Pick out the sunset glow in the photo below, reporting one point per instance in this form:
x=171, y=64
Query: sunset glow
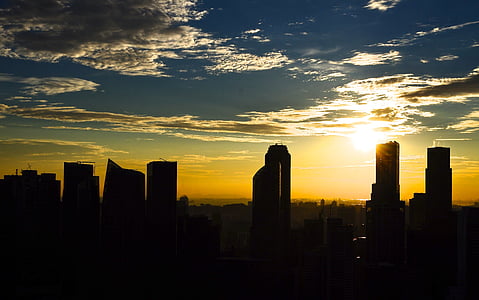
x=365, y=138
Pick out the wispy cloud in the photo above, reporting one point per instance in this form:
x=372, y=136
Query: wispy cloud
x=410, y=38
x=43, y=147
x=389, y=105
x=369, y=59
x=50, y=85
x=241, y=62
x=468, y=123
x=382, y=5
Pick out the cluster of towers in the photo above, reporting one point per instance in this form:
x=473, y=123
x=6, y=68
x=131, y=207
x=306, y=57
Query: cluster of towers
x=141, y=242
x=434, y=254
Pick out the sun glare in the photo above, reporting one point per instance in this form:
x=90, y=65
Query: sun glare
x=366, y=138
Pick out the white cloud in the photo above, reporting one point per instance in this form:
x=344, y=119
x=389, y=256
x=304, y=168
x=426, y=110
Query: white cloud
x=382, y=5
x=241, y=62
x=447, y=57
x=369, y=59
x=252, y=31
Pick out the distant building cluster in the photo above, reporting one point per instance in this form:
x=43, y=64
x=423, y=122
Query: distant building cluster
x=141, y=242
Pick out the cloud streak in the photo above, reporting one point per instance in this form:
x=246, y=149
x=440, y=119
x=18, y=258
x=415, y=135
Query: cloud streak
x=389, y=105
x=44, y=147
x=410, y=38
x=51, y=85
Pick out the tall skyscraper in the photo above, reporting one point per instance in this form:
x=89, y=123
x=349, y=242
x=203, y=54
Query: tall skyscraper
x=81, y=203
x=439, y=182
x=123, y=217
x=385, y=212
x=161, y=207
x=271, y=219
x=81, y=225
x=123, y=209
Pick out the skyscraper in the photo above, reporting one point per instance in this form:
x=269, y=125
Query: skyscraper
x=81, y=224
x=271, y=217
x=161, y=207
x=385, y=212
x=123, y=209
x=439, y=182
x=123, y=217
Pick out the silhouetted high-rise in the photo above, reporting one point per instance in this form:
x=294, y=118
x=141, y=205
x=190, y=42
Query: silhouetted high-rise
x=123, y=209
x=439, y=181
x=432, y=234
x=271, y=217
x=81, y=224
x=385, y=212
x=30, y=232
x=161, y=207
x=81, y=204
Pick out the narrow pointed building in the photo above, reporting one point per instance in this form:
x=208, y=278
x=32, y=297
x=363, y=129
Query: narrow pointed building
x=123, y=214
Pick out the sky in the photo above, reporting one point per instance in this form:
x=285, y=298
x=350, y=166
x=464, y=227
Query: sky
x=211, y=84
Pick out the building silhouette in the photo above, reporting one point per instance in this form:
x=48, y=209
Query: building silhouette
x=385, y=212
x=80, y=226
x=438, y=183
x=468, y=251
x=432, y=232
x=340, y=283
x=271, y=215
x=123, y=218
x=161, y=208
x=30, y=207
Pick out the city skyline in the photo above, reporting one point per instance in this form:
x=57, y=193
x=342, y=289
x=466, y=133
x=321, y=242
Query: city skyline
x=90, y=167
x=210, y=84
x=140, y=241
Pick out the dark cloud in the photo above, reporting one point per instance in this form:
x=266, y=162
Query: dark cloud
x=132, y=37
x=468, y=86
x=127, y=36
x=67, y=26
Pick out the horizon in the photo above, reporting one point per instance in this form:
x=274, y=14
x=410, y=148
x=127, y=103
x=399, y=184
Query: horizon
x=226, y=200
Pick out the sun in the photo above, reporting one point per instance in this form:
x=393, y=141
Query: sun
x=365, y=138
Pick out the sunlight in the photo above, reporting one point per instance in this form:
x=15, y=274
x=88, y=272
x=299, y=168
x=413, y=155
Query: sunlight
x=365, y=138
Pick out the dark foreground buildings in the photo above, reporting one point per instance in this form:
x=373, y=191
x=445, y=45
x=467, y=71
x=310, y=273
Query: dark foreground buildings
x=432, y=233
x=141, y=243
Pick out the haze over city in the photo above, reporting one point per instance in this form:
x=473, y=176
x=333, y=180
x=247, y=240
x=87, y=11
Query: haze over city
x=210, y=84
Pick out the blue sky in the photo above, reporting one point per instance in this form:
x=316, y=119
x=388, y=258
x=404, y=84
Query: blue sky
x=210, y=82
